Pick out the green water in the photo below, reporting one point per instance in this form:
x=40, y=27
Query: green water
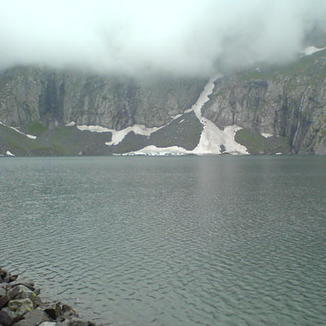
x=173, y=240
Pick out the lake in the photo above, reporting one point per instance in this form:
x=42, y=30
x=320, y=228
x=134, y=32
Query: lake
x=171, y=241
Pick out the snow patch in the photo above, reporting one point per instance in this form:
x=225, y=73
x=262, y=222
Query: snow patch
x=266, y=135
x=119, y=135
x=312, y=50
x=17, y=130
x=159, y=151
x=8, y=153
x=213, y=138
x=91, y=128
x=22, y=133
x=203, y=98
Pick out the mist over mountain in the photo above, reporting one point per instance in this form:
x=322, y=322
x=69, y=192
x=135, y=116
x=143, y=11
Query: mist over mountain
x=184, y=38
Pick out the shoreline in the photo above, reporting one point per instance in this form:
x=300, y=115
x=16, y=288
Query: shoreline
x=21, y=305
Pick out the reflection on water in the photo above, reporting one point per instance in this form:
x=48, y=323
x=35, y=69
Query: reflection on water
x=171, y=241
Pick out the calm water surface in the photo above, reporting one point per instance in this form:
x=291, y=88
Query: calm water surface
x=171, y=241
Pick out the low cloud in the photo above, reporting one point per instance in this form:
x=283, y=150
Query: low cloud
x=180, y=37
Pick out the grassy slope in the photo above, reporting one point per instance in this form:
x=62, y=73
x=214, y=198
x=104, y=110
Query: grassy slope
x=257, y=144
x=58, y=141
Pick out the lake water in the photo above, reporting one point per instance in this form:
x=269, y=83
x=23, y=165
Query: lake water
x=173, y=240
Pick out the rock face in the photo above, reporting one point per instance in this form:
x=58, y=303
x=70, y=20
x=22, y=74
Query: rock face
x=285, y=102
x=29, y=94
x=280, y=110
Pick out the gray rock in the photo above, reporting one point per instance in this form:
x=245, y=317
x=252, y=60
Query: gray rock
x=59, y=311
x=22, y=292
x=5, y=319
x=77, y=322
x=3, y=301
x=285, y=102
x=20, y=306
x=32, y=318
x=59, y=97
x=10, y=313
x=3, y=291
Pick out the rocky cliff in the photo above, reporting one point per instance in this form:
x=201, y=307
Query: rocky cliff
x=29, y=94
x=261, y=110
x=286, y=102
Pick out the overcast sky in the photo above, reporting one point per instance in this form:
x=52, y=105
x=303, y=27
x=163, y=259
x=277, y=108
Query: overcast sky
x=183, y=37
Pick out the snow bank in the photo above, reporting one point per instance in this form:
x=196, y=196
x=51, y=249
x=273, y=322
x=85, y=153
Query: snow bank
x=17, y=130
x=8, y=153
x=311, y=50
x=203, y=98
x=22, y=133
x=159, y=151
x=117, y=135
x=266, y=135
x=91, y=128
x=213, y=138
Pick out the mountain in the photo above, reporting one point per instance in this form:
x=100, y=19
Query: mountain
x=288, y=103
x=263, y=110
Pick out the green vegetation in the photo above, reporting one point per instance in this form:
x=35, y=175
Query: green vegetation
x=35, y=128
x=58, y=141
x=23, y=146
x=183, y=132
x=257, y=144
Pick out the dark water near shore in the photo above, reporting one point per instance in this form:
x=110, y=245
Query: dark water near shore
x=171, y=241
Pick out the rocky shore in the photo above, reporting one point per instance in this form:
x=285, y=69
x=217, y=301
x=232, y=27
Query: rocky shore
x=21, y=305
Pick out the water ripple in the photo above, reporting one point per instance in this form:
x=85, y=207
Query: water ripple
x=169, y=242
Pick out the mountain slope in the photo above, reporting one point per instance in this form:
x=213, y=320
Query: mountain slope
x=287, y=102
x=264, y=110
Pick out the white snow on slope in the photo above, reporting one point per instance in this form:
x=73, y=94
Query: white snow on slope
x=90, y=128
x=211, y=137
x=22, y=133
x=211, y=140
x=159, y=151
x=203, y=98
x=312, y=50
x=17, y=130
x=8, y=153
x=117, y=135
x=266, y=135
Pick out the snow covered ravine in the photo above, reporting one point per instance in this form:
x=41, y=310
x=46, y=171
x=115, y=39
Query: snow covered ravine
x=212, y=140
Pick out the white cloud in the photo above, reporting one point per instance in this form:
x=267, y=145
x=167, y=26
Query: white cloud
x=192, y=37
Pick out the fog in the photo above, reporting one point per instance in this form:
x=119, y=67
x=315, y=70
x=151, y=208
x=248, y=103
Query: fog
x=180, y=37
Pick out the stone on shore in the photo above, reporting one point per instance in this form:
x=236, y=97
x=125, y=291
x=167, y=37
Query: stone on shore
x=20, y=305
